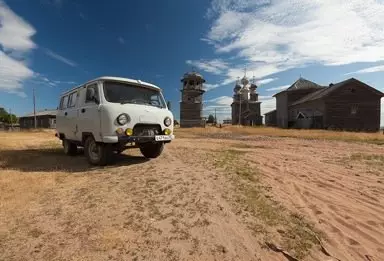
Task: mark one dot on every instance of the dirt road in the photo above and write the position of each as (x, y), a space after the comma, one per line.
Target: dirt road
(211, 198)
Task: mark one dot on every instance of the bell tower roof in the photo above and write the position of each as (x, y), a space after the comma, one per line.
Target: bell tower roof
(192, 76)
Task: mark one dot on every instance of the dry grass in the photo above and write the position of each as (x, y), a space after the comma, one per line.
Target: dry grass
(58, 207)
(374, 138)
(296, 234)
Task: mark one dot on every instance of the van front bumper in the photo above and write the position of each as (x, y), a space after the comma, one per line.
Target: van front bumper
(138, 139)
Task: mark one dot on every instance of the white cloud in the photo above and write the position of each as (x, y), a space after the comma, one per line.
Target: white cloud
(39, 79)
(12, 74)
(265, 81)
(273, 36)
(83, 16)
(220, 105)
(267, 106)
(215, 66)
(278, 88)
(222, 100)
(15, 32)
(15, 40)
(121, 40)
(60, 58)
(209, 87)
(379, 68)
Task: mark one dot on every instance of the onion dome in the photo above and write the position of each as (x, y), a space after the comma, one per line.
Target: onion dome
(237, 88)
(253, 87)
(244, 81)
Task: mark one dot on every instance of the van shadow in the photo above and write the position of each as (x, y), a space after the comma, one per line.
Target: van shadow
(54, 159)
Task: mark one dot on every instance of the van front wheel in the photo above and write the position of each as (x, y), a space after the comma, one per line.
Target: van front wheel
(69, 148)
(97, 153)
(152, 150)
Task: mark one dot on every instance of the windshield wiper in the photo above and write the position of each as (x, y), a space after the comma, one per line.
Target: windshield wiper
(138, 101)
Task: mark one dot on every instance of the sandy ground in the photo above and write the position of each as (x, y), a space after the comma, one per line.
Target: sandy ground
(182, 206)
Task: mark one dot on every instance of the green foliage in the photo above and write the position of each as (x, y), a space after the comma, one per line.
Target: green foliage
(211, 119)
(6, 117)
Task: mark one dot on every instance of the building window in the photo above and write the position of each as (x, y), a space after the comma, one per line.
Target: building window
(72, 100)
(354, 109)
(88, 98)
(64, 102)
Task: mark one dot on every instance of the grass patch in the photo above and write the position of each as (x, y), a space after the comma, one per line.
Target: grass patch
(375, 161)
(247, 146)
(229, 131)
(271, 219)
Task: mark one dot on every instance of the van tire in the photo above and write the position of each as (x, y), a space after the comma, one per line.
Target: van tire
(97, 153)
(152, 150)
(69, 148)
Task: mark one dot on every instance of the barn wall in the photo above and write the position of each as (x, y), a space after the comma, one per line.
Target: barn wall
(282, 110)
(46, 121)
(314, 110)
(339, 108)
(270, 119)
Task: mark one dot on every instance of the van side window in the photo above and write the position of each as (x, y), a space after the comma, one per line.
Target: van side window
(72, 100)
(64, 102)
(88, 98)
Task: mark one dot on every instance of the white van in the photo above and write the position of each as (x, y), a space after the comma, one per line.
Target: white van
(110, 114)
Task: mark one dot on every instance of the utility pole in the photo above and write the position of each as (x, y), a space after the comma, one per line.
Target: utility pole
(11, 118)
(240, 108)
(34, 107)
(215, 117)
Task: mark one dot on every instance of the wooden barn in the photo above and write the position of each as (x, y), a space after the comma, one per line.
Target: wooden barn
(270, 118)
(348, 105)
(44, 119)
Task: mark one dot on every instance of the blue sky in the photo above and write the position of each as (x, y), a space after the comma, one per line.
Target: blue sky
(52, 45)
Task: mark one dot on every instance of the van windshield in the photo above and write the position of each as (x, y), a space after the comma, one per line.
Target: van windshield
(118, 92)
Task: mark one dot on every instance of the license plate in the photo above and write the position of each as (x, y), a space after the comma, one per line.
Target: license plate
(162, 137)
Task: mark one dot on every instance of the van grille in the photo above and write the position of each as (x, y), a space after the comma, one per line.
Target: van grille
(146, 130)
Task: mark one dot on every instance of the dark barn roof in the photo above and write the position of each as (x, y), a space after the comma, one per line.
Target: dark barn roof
(269, 112)
(301, 84)
(41, 113)
(327, 90)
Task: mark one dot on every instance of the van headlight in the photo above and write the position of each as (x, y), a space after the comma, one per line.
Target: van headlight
(123, 119)
(167, 121)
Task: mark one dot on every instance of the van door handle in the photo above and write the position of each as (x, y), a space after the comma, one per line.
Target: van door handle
(82, 110)
(65, 113)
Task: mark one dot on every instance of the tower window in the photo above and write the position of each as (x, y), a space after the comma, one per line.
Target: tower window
(191, 82)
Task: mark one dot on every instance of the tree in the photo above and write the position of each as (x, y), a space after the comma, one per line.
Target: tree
(6, 117)
(211, 119)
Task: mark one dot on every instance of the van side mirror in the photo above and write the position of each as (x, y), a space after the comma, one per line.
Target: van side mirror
(169, 105)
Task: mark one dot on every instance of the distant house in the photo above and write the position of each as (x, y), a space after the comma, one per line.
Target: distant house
(44, 119)
(227, 121)
(348, 105)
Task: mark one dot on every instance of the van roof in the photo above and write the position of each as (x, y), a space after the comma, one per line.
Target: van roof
(119, 79)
